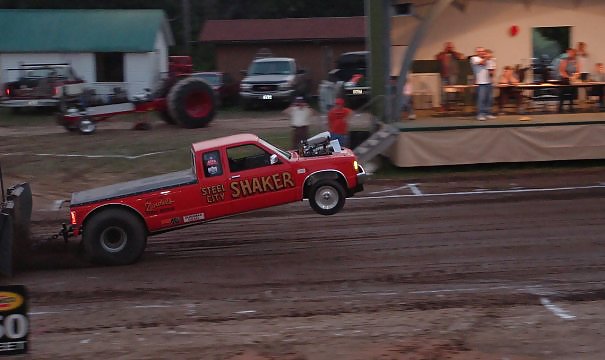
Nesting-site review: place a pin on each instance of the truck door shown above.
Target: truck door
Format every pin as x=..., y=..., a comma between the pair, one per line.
x=213, y=187
x=255, y=182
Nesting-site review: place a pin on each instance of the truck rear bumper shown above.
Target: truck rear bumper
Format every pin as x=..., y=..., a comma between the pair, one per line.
x=16, y=103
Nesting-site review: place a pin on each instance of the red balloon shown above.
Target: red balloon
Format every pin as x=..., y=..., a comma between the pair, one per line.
x=514, y=30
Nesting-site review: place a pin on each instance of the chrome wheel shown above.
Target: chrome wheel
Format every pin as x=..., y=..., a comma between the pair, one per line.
x=87, y=126
x=327, y=197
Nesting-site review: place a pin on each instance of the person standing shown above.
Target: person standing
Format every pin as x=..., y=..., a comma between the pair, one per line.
x=491, y=69
x=507, y=89
x=568, y=70
x=448, y=68
x=582, y=60
x=338, y=122
x=597, y=90
x=300, y=118
x=480, y=63
x=407, y=105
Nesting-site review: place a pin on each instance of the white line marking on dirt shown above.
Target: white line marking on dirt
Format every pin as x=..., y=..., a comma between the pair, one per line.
x=43, y=312
x=243, y=312
x=107, y=156
x=569, y=188
x=563, y=314
x=151, y=306
x=461, y=290
x=415, y=190
x=57, y=204
x=389, y=190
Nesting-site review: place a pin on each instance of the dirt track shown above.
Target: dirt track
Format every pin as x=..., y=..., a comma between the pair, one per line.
x=485, y=276
x=472, y=267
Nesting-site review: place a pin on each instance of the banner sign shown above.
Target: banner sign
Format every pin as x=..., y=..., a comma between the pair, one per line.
x=14, y=322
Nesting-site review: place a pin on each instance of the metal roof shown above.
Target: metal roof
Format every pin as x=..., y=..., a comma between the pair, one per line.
x=326, y=28
x=82, y=30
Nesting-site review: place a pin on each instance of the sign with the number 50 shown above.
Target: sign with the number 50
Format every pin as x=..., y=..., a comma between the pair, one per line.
x=14, y=324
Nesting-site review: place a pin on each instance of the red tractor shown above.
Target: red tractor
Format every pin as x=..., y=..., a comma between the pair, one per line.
x=180, y=99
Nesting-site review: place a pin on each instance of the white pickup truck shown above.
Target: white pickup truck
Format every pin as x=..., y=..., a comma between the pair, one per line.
x=273, y=79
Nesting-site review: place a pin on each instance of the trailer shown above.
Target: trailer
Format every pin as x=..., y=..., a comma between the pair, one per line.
x=180, y=99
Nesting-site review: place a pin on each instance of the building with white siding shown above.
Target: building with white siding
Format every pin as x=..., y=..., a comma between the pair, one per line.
x=106, y=48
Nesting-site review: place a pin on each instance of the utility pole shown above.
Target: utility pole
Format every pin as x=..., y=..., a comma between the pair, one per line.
x=378, y=43
x=186, y=9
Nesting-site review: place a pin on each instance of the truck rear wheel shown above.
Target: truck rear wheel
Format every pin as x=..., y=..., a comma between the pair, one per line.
x=191, y=103
x=114, y=237
x=327, y=197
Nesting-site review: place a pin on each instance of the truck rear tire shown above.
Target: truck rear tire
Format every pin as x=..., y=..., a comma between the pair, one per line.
x=327, y=197
x=191, y=103
x=114, y=237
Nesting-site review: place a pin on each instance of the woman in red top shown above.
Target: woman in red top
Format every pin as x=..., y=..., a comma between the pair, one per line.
x=338, y=118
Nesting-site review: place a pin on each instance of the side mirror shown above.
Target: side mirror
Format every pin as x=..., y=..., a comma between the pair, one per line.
x=301, y=71
x=273, y=159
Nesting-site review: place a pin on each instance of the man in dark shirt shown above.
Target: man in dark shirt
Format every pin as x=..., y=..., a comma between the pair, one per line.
x=448, y=67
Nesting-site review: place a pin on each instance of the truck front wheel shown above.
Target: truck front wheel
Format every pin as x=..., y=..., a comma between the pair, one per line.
x=114, y=237
x=327, y=197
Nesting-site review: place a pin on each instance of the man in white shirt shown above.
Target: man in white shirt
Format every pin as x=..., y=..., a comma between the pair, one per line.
x=300, y=118
x=481, y=66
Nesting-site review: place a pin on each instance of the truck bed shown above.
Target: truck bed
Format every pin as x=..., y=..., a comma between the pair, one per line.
x=178, y=178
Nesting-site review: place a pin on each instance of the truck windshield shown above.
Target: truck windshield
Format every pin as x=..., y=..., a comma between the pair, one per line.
x=271, y=68
x=274, y=148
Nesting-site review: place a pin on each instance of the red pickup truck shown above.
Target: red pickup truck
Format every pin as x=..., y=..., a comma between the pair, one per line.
x=229, y=175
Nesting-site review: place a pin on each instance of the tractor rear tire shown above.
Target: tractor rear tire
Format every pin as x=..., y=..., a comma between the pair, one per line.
x=114, y=237
x=191, y=103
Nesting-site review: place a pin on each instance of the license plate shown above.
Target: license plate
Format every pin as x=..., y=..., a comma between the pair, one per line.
x=32, y=102
x=267, y=97
x=357, y=91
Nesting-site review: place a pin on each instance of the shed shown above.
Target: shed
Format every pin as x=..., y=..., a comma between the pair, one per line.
x=126, y=48
x=315, y=43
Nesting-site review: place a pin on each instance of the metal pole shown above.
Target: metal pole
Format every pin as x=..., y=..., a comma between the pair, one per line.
x=437, y=8
x=376, y=17
x=2, y=186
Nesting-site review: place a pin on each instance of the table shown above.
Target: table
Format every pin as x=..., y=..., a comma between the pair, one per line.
x=525, y=87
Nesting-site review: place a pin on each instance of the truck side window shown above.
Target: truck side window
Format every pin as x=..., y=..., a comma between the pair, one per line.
x=246, y=157
x=211, y=162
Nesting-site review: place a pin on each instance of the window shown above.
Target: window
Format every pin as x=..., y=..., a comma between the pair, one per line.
x=548, y=43
x=212, y=164
x=246, y=157
x=110, y=67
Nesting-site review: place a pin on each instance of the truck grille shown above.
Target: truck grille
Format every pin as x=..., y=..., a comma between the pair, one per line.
x=264, y=87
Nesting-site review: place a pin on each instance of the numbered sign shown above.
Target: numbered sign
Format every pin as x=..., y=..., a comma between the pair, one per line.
x=14, y=323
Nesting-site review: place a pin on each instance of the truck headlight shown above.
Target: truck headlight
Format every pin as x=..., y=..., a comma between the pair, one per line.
x=245, y=86
x=285, y=86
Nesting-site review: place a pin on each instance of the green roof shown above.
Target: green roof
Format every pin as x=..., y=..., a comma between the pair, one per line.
x=82, y=30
